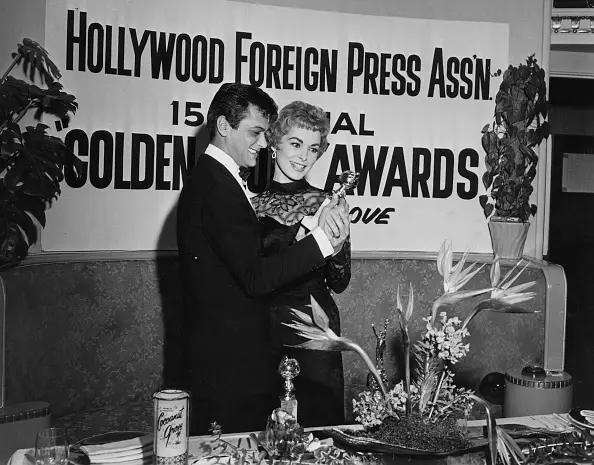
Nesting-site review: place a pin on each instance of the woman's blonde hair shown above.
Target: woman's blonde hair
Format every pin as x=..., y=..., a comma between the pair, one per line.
x=301, y=115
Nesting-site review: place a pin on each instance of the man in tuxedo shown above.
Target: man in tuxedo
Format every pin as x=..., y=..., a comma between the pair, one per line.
x=223, y=269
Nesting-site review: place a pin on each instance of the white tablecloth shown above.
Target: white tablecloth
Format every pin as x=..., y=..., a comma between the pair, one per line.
x=201, y=447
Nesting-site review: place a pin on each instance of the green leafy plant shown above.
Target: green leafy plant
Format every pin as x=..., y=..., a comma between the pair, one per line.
x=32, y=162
x=519, y=126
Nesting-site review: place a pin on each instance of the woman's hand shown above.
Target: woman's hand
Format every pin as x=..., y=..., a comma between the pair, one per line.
x=335, y=222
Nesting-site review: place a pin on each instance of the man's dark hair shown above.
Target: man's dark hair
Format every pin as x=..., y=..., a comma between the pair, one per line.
x=232, y=101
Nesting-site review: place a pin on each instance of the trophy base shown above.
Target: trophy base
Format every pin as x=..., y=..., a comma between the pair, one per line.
x=289, y=406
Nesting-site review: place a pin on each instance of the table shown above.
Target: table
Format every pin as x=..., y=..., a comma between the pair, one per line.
x=200, y=447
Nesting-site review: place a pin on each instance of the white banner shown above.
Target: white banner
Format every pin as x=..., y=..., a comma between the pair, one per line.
x=407, y=100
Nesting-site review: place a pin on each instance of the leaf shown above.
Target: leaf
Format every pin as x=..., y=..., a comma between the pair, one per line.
x=444, y=259
x=411, y=303
x=487, y=179
x=319, y=315
x=488, y=210
x=483, y=199
x=36, y=56
x=399, y=307
x=495, y=273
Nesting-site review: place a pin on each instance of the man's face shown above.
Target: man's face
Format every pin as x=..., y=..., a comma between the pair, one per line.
x=244, y=143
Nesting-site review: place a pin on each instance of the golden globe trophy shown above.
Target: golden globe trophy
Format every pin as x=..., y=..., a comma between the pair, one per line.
x=348, y=180
x=289, y=369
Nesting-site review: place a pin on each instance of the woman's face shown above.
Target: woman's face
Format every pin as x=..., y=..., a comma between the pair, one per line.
x=296, y=153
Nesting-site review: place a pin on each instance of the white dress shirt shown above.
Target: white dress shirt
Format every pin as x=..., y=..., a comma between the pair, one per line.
x=228, y=162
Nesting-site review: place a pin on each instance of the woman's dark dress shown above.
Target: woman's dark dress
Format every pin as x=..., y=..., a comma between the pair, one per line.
x=320, y=385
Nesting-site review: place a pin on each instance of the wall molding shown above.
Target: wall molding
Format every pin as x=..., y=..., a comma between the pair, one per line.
x=124, y=255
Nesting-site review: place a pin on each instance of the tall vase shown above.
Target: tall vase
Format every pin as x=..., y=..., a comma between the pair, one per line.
x=508, y=237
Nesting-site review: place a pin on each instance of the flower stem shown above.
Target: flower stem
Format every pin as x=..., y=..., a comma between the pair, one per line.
x=434, y=309
x=370, y=366
x=406, y=343
x=436, y=396
x=12, y=65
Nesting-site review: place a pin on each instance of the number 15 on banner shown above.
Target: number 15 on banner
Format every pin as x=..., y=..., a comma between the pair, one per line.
x=193, y=116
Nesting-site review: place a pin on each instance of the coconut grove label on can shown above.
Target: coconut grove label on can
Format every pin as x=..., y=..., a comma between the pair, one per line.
x=171, y=421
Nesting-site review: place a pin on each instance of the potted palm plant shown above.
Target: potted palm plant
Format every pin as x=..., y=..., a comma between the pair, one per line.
x=32, y=162
x=518, y=128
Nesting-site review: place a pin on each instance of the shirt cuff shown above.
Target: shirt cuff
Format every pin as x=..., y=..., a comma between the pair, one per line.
x=309, y=222
x=323, y=242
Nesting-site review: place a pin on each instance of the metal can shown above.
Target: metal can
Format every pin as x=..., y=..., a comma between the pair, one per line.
x=171, y=424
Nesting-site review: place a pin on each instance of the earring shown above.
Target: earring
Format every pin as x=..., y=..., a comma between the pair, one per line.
x=273, y=154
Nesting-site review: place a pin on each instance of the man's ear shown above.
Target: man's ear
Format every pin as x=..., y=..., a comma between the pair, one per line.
x=223, y=126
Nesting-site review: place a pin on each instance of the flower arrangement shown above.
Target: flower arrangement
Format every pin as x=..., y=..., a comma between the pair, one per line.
x=421, y=410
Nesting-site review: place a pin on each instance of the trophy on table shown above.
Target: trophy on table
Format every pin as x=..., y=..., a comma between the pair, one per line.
x=289, y=369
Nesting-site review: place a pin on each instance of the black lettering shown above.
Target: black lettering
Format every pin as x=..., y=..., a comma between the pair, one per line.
x=439, y=156
x=368, y=216
x=257, y=63
x=119, y=182
x=453, y=68
x=482, y=79
x=239, y=56
x=468, y=158
x=109, y=69
x=397, y=165
x=356, y=214
x=384, y=73
x=216, y=63
x=199, y=58
x=77, y=141
x=183, y=57
x=162, y=162
x=162, y=55
x=273, y=66
x=398, y=86
x=371, y=73
x=180, y=168
x=354, y=64
x=99, y=139
x=384, y=216
x=413, y=88
x=139, y=47
x=122, y=71
x=420, y=177
x=328, y=70
x=149, y=161
x=298, y=56
x=437, y=78
x=362, y=130
x=341, y=156
x=466, y=68
x=287, y=66
x=311, y=77
x=369, y=169
x=80, y=39
x=344, y=123
x=95, y=48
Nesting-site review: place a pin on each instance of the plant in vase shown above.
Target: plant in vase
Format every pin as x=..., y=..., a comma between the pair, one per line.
x=421, y=411
x=509, y=142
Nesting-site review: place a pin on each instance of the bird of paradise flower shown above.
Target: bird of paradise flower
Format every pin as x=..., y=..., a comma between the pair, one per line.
x=503, y=297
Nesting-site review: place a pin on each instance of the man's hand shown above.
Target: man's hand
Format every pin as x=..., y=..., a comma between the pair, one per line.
x=335, y=221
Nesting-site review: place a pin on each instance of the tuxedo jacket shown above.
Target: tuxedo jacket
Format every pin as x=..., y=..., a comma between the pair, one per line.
x=223, y=274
